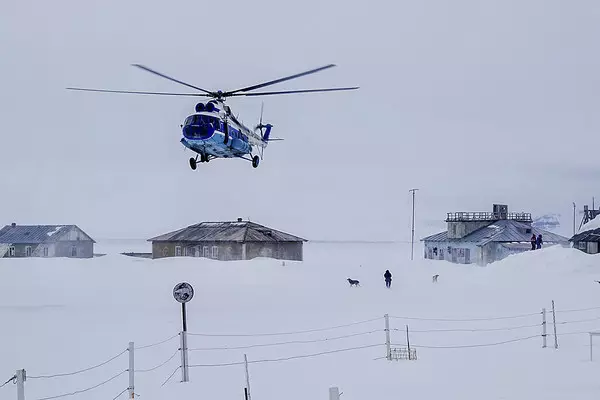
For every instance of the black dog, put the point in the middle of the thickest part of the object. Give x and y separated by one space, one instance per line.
353 282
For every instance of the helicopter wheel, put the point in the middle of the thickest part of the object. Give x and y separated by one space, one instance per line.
255 161
193 163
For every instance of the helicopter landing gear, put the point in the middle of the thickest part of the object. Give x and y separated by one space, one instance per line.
255 161
193 163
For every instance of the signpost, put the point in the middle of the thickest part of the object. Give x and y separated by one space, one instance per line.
183 292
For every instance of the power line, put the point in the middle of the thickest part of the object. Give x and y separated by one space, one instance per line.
85 390
12 379
157 343
284 343
80 371
159 365
472 345
284 333
170 376
119 395
511 328
467 319
287 358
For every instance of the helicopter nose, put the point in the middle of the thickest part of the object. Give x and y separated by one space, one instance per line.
198 132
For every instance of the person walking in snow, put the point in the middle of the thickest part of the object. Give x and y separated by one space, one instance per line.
533 241
388 278
539 241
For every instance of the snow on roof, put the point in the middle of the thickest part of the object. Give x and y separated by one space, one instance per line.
591 225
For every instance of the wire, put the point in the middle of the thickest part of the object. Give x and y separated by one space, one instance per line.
284 343
85 390
80 371
472 345
170 376
160 365
157 343
578 321
316 354
472 330
286 358
284 333
574 310
12 379
119 395
468 319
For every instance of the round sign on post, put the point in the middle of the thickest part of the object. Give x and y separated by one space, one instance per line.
183 292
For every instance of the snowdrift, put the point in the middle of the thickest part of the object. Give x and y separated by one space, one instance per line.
477 332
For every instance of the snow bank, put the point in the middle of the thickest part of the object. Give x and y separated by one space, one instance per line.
477 331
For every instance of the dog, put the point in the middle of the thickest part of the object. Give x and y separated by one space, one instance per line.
353 282
435 278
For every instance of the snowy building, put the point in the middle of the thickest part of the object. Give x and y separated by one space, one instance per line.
237 240
588 237
45 241
485 237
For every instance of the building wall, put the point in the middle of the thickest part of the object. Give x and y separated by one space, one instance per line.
229 251
225 251
458 253
279 250
457 230
71 249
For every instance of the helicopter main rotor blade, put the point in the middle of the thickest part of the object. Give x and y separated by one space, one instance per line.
171 79
287 78
294 91
133 92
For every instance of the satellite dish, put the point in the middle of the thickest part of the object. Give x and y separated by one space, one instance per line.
183 292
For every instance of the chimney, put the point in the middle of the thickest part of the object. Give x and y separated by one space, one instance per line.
13 224
239 220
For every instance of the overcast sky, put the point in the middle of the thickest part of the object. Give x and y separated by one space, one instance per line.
472 102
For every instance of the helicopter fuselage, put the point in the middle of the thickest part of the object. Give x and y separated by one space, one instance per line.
218 134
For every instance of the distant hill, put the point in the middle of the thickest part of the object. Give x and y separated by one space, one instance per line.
548 222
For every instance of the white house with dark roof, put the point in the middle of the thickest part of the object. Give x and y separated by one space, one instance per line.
45 241
484 237
229 240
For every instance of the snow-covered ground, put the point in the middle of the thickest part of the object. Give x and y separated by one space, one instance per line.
477 331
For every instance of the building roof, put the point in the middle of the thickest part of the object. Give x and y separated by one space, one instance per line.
238 231
592 235
35 234
503 231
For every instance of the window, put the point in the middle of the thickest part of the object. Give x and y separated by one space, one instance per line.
205 251
185 251
73 251
28 251
215 252
11 251
165 252
45 252
177 251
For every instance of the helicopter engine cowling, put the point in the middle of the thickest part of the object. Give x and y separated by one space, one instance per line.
210 107
200 107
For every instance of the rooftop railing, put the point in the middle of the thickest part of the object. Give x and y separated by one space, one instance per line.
487 216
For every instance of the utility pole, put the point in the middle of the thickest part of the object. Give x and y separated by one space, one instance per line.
574 218
412 240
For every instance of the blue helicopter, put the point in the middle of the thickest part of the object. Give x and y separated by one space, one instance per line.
213 131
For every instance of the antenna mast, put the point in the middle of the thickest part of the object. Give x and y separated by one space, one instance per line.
412 240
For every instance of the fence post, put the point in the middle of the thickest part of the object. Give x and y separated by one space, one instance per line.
544 328
334 393
131 371
21 376
554 323
388 344
185 377
249 396
408 341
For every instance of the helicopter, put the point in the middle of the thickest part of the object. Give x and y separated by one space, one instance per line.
213 131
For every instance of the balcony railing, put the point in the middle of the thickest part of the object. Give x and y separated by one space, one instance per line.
487 216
